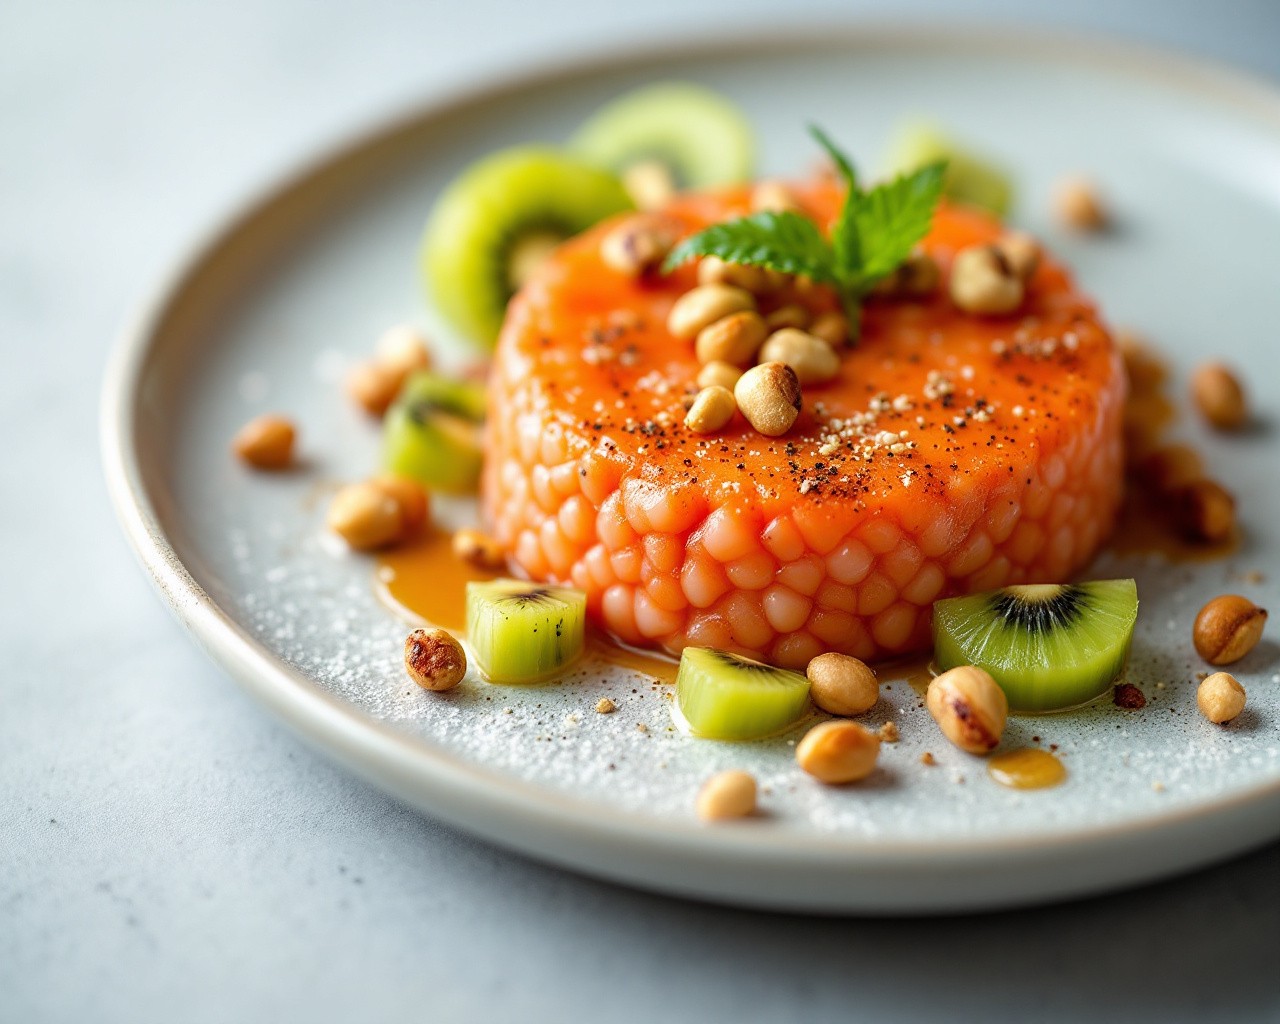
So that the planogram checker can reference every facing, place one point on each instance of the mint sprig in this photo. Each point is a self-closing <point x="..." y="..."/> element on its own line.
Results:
<point x="874" y="232"/>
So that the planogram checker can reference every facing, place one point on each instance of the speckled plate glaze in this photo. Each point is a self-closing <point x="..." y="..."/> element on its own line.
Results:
<point x="269" y="311"/>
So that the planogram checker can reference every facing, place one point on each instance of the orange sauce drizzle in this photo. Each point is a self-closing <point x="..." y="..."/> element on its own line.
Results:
<point x="1029" y="768"/>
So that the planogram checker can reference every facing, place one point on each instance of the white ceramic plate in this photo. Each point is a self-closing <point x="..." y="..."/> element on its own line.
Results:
<point x="267" y="313"/>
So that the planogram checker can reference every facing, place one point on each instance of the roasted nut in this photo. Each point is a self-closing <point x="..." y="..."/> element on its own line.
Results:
<point x="837" y="752"/>
<point x="434" y="659"/>
<point x="1228" y="628"/>
<point x="983" y="282"/>
<point x="1079" y="206"/>
<point x="791" y="315"/>
<point x="1143" y="367"/>
<point x="774" y="197"/>
<point x="727" y="795"/>
<point x="813" y="360"/>
<point x="969" y="707"/>
<point x="649" y="184"/>
<point x="768" y="395"/>
<point x="1167" y="469"/>
<point x="916" y="277"/>
<point x="735" y="338"/>
<point x="716" y="372"/>
<point x="366" y="516"/>
<point x="637" y="245"/>
<point x="412" y="499"/>
<point x="604" y="706"/>
<point x="1219" y="396"/>
<point x="831" y="327"/>
<point x="478" y="549"/>
<point x="1203" y="511"/>
<point x="402" y="350"/>
<point x="711" y="410"/>
<point x="1021" y="251"/>
<point x="842" y="685"/>
<point x="758" y="280"/>
<point x="373" y="386"/>
<point x="1220" y="697"/>
<point x="704" y="305"/>
<point x="265" y="442"/>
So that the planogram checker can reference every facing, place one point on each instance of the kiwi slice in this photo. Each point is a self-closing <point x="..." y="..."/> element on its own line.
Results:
<point x="494" y="223"/>
<point x="522" y="632"/>
<point x="971" y="179"/>
<point x="1049" y="646"/>
<point x="697" y="134"/>
<point x="725" y="696"/>
<point x="432" y="433"/>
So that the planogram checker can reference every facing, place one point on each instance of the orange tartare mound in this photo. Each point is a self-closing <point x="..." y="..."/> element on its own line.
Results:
<point x="953" y="453"/>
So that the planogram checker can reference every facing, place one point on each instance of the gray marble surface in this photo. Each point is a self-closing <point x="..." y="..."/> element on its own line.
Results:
<point x="171" y="853"/>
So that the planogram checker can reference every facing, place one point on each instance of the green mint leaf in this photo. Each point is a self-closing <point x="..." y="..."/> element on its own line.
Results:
<point x="893" y="217"/>
<point x="844" y="166"/>
<point x="845" y="238"/>
<point x="786" y="242"/>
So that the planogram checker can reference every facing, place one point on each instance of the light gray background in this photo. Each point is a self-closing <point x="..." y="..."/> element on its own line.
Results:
<point x="167" y="852"/>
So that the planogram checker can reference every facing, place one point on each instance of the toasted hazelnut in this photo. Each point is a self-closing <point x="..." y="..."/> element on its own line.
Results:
<point x="969" y="707"/>
<point x="768" y="395"/>
<point x="1220" y="697"/>
<point x="717" y="372"/>
<point x="1203" y="511"/>
<point x="983" y="282"/>
<point x="402" y="350"/>
<point x="637" y="245"/>
<point x="757" y="280"/>
<point x="1169" y="468"/>
<point x="366" y="516"/>
<point x="374" y="386"/>
<point x="711" y="410"/>
<point x="774" y="197"/>
<point x="727" y="795"/>
<point x="1228" y="628"/>
<point x="839" y="751"/>
<point x="649" y="183"/>
<point x="831" y="327"/>
<point x="1021" y="252"/>
<point x="1219" y="396"/>
<point x="266" y="442"/>
<point x="704" y="305"/>
<point x="478" y="549"/>
<point x="791" y="315"/>
<point x="1142" y="366"/>
<point x="814" y="361"/>
<point x="916" y="277"/>
<point x="1079" y="206"/>
<point x="412" y="499"/>
<point x="842" y="685"/>
<point x="735" y="338"/>
<point x="434" y="659"/>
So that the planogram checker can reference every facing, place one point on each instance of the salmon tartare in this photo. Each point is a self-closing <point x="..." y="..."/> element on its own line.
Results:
<point x="951" y="453"/>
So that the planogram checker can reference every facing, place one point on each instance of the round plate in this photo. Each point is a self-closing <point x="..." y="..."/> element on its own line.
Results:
<point x="268" y="313"/>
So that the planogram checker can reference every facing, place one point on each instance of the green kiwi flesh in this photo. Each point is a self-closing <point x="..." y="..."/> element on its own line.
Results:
<point x="1050" y="647"/>
<point x="702" y="138"/>
<point x="725" y="696"/>
<point x="522" y="632"/>
<point x="431" y="433"/>
<point x="971" y="179"/>
<point x="482" y="218"/>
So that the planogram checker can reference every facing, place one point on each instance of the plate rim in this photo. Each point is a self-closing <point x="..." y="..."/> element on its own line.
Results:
<point x="492" y="803"/>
